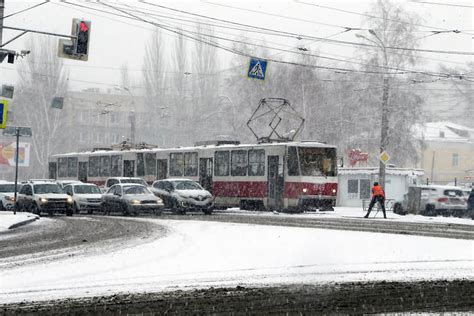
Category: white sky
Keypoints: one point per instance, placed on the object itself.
(117, 41)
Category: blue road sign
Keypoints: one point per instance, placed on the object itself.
(257, 68)
(3, 113)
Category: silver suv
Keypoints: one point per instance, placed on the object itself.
(7, 195)
(44, 196)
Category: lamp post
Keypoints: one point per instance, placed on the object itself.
(132, 114)
(385, 95)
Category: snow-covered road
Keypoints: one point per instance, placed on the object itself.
(199, 254)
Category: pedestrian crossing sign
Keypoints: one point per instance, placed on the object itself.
(3, 113)
(257, 68)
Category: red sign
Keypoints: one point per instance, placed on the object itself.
(356, 155)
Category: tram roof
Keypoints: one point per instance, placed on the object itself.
(191, 148)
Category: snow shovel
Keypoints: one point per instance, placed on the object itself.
(378, 209)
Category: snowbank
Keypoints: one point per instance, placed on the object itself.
(8, 220)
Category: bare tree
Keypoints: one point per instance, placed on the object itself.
(41, 78)
(153, 126)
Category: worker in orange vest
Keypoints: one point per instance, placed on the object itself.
(378, 195)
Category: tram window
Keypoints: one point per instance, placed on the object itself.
(256, 162)
(72, 167)
(221, 159)
(62, 167)
(318, 161)
(93, 166)
(190, 164)
(140, 165)
(292, 162)
(176, 164)
(116, 166)
(150, 164)
(104, 170)
(239, 163)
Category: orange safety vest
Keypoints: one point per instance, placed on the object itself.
(377, 191)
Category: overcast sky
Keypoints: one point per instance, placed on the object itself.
(116, 41)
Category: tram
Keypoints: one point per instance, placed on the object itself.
(288, 176)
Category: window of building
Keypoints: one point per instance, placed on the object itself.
(353, 186)
(114, 117)
(176, 164)
(94, 164)
(116, 165)
(221, 159)
(455, 160)
(239, 165)
(62, 167)
(72, 167)
(256, 162)
(190, 164)
(82, 136)
(365, 188)
(104, 170)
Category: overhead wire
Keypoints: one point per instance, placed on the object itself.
(24, 10)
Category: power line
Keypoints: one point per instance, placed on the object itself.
(444, 4)
(374, 17)
(24, 10)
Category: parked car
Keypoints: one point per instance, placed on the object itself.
(86, 197)
(130, 198)
(436, 200)
(7, 195)
(114, 180)
(64, 183)
(470, 201)
(44, 196)
(181, 195)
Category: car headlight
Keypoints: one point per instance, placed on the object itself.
(134, 202)
(158, 200)
(69, 199)
(10, 198)
(43, 200)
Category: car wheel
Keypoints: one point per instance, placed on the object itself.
(35, 209)
(69, 211)
(104, 208)
(1, 206)
(398, 209)
(124, 210)
(429, 210)
(176, 209)
(75, 209)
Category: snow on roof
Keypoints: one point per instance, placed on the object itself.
(444, 131)
(375, 170)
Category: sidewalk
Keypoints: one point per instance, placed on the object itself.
(8, 220)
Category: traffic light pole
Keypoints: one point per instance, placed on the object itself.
(2, 9)
(16, 169)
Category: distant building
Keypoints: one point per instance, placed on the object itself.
(447, 152)
(355, 183)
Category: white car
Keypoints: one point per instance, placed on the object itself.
(86, 197)
(116, 180)
(131, 198)
(7, 195)
(44, 196)
(64, 183)
(181, 195)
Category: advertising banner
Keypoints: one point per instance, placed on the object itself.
(7, 154)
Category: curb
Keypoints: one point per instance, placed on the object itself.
(27, 221)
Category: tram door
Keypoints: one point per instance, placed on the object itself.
(205, 173)
(129, 168)
(82, 175)
(52, 170)
(161, 169)
(275, 183)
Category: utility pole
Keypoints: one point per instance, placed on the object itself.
(2, 9)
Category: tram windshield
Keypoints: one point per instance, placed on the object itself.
(317, 161)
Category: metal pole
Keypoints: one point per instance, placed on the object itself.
(2, 9)
(16, 168)
(384, 130)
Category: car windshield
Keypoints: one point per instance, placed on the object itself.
(186, 185)
(7, 188)
(136, 189)
(47, 188)
(86, 189)
(452, 193)
(139, 181)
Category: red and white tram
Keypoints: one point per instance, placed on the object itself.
(293, 176)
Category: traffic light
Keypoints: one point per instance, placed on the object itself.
(82, 41)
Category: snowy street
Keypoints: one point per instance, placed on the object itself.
(200, 254)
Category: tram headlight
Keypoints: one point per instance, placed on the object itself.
(334, 190)
(305, 190)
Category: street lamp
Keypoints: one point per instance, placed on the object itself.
(385, 95)
(132, 115)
